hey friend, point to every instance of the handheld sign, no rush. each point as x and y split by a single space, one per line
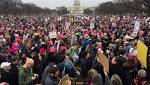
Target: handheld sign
142 50
92 26
52 34
136 28
103 60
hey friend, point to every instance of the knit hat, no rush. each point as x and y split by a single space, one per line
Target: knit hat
97 79
142 73
52 49
42 50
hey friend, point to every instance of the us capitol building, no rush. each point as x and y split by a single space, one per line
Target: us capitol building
76 9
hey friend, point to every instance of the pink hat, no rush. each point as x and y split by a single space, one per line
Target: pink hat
63 48
14 47
141 32
9 49
42 50
61 36
1 36
94 32
50 42
16 35
17 39
52 49
81 37
85 34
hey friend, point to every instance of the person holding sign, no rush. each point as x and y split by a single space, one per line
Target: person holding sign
97 65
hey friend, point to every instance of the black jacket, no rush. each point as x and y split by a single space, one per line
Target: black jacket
14 73
7 77
99 68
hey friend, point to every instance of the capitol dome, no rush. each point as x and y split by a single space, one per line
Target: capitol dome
76 2
76 9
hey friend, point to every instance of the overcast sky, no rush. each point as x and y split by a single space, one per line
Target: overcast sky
57 3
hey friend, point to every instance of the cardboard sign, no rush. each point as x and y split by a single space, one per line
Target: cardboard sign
142 50
35 34
52 34
103 60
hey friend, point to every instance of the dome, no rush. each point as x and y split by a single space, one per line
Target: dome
76 2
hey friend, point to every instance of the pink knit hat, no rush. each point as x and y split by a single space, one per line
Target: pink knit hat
63 48
94 32
14 47
42 50
50 42
52 49
1 36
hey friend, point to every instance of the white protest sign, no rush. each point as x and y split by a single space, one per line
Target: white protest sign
52 34
92 26
147 20
136 28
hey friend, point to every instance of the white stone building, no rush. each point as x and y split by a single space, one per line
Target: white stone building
76 9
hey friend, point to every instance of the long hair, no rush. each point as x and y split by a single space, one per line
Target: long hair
116 80
65 81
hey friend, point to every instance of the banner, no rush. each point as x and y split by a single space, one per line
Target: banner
136 28
103 60
142 50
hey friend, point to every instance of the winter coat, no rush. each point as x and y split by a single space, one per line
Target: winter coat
25 76
99 68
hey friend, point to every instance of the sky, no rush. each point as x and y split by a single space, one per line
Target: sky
52 4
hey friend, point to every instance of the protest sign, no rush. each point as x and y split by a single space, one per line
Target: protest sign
142 50
52 34
136 28
67 25
103 60
92 26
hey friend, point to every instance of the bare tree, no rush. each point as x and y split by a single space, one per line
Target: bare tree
16 7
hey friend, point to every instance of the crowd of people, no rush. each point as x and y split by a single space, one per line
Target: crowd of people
60 50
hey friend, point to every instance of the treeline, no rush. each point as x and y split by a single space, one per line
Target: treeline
17 7
134 7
